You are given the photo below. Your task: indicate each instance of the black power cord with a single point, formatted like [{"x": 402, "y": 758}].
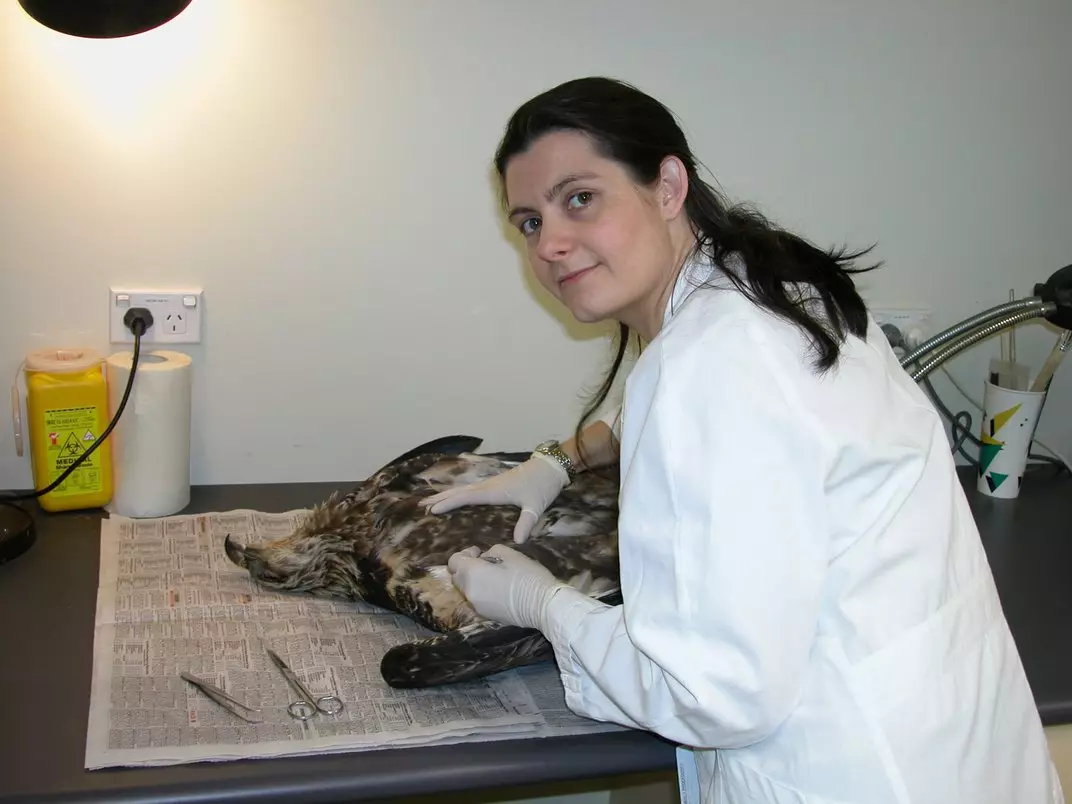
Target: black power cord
[{"x": 137, "y": 320}]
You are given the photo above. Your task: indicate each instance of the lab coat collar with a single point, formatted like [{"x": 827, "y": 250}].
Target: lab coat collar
[{"x": 698, "y": 271}]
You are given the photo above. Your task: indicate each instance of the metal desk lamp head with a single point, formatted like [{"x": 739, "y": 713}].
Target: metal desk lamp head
[{"x": 1052, "y": 300}]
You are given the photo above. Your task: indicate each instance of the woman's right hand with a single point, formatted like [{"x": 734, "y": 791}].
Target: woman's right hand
[{"x": 531, "y": 486}]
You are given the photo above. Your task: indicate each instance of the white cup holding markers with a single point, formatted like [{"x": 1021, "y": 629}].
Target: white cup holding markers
[
  {"x": 1010, "y": 417},
  {"x": 1012, "y": 404}
]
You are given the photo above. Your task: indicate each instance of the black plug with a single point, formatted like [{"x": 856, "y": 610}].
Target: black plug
[{"x": 138, "y": 320}]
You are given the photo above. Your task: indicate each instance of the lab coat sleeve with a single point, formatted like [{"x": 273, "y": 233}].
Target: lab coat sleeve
[{"x": 723, "y": 546}]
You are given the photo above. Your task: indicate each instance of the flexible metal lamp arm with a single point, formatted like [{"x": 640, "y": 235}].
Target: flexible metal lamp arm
[{"x": 1052, "y": 301}]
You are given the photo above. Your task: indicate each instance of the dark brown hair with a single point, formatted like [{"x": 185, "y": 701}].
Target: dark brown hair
[{"x": 637, "y": 131}]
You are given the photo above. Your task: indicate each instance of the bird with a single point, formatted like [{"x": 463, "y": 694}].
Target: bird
[{"x": 377, "y": 544}]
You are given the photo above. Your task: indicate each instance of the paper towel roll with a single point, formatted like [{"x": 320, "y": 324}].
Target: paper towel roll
[{"x": 151, "y": 441}]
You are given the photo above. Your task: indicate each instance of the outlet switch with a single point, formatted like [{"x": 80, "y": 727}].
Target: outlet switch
[{"x": 176, "y": 315}]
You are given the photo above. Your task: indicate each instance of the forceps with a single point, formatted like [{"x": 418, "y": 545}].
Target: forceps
[
  {"x": 232, "y": 705},
  {"x": 306, "y": 706}
]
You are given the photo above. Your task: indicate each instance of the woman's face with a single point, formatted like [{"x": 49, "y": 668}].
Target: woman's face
[{"x": 601, "y": 244}]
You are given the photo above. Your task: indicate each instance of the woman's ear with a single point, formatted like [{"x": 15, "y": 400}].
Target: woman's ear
[{"x": 672, "y": 187}]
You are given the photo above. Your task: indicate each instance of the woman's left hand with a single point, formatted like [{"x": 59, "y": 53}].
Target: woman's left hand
[{"x": 504, "y": 585}]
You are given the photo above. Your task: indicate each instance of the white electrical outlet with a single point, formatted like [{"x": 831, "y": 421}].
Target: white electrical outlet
[
  {"x": 914, "y": 324},
  {"x": 176, "y": 315}
]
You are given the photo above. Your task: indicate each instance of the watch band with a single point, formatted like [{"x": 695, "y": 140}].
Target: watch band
[{"x": 553, "y": 450}]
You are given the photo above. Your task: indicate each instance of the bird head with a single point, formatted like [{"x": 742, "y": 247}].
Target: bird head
[{"x": 318, "y": 558}]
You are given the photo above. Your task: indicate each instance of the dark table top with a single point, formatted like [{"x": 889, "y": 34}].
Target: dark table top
[{"x": 47, "y": 605}]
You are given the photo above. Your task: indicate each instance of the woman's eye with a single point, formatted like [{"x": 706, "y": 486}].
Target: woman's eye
[
  {"x": 583, "y": 198},
  {"x": 527, "y": 226}
]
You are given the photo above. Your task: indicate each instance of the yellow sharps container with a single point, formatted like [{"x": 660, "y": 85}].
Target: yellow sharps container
[{"x": 67, "y": 411}]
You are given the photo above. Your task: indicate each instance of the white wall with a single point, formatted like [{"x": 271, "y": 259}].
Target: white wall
[{"x": 322, "y": 169}]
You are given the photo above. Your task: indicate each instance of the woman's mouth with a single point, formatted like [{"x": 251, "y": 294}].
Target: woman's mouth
[{"x": 570, "y": 278}]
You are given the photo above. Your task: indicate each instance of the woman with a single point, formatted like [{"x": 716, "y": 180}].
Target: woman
[{"x": 807, "y": 606}]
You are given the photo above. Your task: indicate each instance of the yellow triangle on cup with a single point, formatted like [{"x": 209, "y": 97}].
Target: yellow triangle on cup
[{"x": 1001, "y": 419}]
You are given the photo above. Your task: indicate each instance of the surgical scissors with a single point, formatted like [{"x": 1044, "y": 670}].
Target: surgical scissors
[
  {"x": 232, "y": 705},
  {"x": 306, "y": 706}
]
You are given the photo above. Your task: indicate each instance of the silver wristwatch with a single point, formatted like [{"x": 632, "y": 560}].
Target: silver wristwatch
[{"x": 553, "y": 449}]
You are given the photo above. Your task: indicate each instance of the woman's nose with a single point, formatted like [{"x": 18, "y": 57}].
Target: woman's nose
[{"x": 556, "y": 240}]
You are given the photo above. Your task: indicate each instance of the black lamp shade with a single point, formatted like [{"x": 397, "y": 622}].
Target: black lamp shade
[{"x": 103, "y": 19}]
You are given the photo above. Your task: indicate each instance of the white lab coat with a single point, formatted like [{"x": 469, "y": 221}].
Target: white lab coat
[{"x": 805, "y": 589}]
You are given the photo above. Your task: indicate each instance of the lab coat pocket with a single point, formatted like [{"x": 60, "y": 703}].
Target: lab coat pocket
[
  {"x": 906, "y": 670},
  {"x": 951, "y": 694}
]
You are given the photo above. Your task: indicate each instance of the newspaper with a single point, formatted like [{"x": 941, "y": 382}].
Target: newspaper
[{"x": 169, "y": 600}]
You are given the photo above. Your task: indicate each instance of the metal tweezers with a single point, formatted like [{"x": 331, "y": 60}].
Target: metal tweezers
[{"x": 232, "y": 705}]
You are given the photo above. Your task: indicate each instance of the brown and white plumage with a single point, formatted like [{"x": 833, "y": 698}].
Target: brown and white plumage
[{"x": 376, "y": 544}]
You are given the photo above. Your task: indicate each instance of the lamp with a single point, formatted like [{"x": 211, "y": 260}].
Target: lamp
[
  {"x": 103, "y": 19},
  {"x": 1052, "y": 300}
]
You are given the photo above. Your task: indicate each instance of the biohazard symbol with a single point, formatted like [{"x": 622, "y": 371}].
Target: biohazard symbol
[
  {"x": 72, "y": 447},
  {"x": 991, "y": 446}
]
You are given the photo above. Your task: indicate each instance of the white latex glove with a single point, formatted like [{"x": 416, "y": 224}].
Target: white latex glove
[
  {"x": 511, "y": 588},
  {"x": 531, "y": 486}
]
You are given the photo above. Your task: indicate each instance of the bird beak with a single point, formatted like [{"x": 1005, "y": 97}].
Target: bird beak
[{"x": 235, "y": 552}]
